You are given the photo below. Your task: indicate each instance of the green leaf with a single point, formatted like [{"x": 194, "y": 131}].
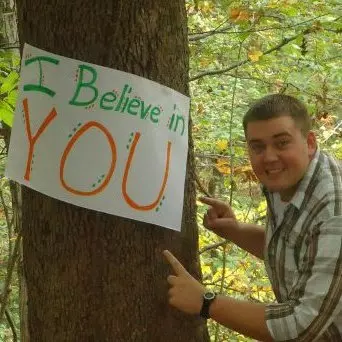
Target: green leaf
[
  {"x": 9, "y": 83},
  {"x": 11, "y": 98},
  {"x": 6, "y": 113}
]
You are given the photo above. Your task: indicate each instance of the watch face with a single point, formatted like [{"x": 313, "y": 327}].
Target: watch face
[{"x": 209, "y": 295}]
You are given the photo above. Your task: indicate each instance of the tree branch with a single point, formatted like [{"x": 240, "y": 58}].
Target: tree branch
[
  {"x": 11, "y": 324},
  {"x": 201, "y": 187},
  {"x": 198, "y": 36},
  {"x": 8, "y": 220},
  {"x": 10, "y": 47},
  {"x": 220, "y": 156},
  {"x": 249, "y": 77},
  {"x": 213, "y": 246},
  {"x": 10, "y": 268},
  {"x": 284, "y": 42},
  {"x": 201, "y": 35}
]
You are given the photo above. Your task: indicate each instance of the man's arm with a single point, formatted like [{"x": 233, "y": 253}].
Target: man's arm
[
  {"x": 186, "y": 294},
  {"x": 317, "y": 295},
  {"x": 251, "y": 238},
  {"x": 244, "y": 317}
]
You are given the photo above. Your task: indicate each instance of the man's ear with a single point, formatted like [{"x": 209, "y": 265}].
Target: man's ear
[{"x": 312, "y": 144}]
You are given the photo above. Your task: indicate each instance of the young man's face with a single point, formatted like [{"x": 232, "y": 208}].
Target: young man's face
[{"x": 279, "y": 153}]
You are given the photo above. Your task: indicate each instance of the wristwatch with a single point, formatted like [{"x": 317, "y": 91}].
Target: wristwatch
[{"x": 208, "y": 298}]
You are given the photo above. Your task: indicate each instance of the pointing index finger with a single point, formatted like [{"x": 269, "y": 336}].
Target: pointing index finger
[
  {"x": 177, "y": 267},
  {"x": 213, "y": 202}
]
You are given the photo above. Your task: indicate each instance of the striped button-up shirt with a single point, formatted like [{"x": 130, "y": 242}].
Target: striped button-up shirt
[{"x": 303, "y": 257}]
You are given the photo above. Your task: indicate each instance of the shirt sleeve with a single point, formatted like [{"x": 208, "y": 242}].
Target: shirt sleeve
[{"x": 316, "y": 298}]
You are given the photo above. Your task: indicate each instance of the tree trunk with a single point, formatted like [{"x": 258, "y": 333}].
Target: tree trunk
[
  {"x": 92, "y": 276},
  {"x": 8, "y": 24}
]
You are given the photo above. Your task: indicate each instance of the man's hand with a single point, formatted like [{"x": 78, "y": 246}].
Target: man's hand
[
  {"x": 219, "y": 218},
  {"x": 185, "y": 293}
]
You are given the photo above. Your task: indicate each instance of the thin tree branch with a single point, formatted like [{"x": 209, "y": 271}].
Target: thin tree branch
[
  {"x": 217, "y": 72},
  {"x": 244, "y": 293},
  {"x": 201, "y": 35},
  {"x": 8, "y": 220},
  {"x": 11, "y": 324},
  {"x": 213, "y": 246},
  {"x": 224, "y": 256},
  {"x": 11, "y": 263},
  {"x": 236, "y": 65},
  {"x": 198, "y": 36},
  {"x": 201, "y": 187},
  {"x": 335, "y": 31},
  {"x": 218, "y": 156},
  {"x": 273, "y": 83},
  {"x": 224, "y": 31},
  {"x": 9, "y": 47},
  {"x": 211, "y": 155}
]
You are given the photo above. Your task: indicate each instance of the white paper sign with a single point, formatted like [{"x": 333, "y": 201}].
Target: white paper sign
[{"x": 100, "y": 138}]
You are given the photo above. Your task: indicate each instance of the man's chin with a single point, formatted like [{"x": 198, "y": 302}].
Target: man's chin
[
  {"x": 286, "y": 192},
  {"x": 274, "y": 187}
]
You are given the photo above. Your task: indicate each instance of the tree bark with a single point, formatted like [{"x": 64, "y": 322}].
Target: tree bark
[
  {"x": 8, "y": 24},
  {"x": 92, "y": 276}
]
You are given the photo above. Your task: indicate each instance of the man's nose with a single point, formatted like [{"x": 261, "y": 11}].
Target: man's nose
[{"x": 270, "y": 154}]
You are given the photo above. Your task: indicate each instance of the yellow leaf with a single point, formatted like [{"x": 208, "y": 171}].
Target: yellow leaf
[
  {"x": 204, "y": 62},
  {"x": 234, "y": 13},
  {"x": 254, "y": 55},
  {"x": 222, "y": 162},
  {"x": 239, "y": 14},
  {"x": 200, "y": 108},
  {"x": 262, "y": 206},
  {"x": 199, "y": 203},
  {"x": 222, "y": 145},
  {"x": 222, "y": 165},
  {"x": 206, "y": 7},
  {"x": 206, "y": 269}
]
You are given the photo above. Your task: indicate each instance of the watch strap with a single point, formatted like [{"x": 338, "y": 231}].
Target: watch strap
[{"x": 206, "y": 305}]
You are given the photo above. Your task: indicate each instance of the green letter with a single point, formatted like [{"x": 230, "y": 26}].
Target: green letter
[
  {"x": 40, "y": 87},
  {"x": 107, "y": 97},
  {"x": 155, "y": 111},
  {"x": 134, "y": 103},
  {"x": 82, "y": 84},
  {"x": 180, "y": 118},
  {"x": 122, "y": 97}
]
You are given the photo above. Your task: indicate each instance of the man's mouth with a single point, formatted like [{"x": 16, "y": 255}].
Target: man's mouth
[{"x": 271, "y": 172}]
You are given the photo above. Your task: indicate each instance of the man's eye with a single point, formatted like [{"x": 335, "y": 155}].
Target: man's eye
[
  {"x": 257, "y": 148},
  {"x": 282, "y": 143}
]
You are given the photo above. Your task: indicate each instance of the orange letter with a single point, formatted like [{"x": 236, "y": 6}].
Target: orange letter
[
  {"x": 33, "y": 139},
  {"x": 69, "y": 147},
  {"x": 129, "y": 201}
]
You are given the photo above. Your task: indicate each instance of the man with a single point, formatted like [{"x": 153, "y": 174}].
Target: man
[{"x": 302, "y": 242}]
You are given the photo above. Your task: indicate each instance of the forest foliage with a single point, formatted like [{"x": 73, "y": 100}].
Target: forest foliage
[{"x": 239, "y": 51}]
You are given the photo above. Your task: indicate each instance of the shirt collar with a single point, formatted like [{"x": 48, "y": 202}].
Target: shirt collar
[{"x": 298, "y": 197}]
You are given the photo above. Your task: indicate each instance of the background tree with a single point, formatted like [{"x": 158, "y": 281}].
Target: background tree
[{"x": 91, "y": 276}]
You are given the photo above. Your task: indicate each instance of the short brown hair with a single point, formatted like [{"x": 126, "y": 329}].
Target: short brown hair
[{"x": 277, "y": 105}]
